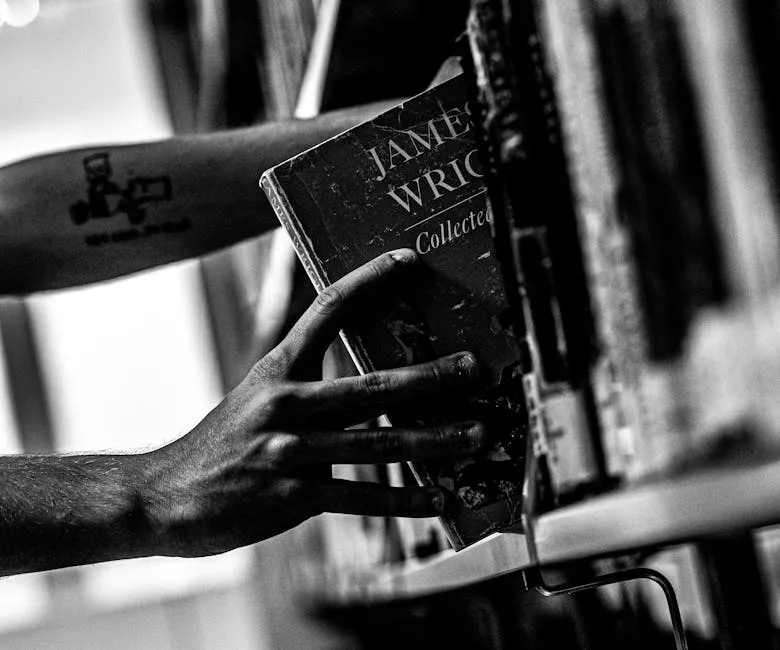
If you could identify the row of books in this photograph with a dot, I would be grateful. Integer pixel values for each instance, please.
(631, 147)
(596, 199)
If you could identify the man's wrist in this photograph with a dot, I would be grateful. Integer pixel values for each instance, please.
(170, 514)
(151, 515)
(122, 513)
(59, 511)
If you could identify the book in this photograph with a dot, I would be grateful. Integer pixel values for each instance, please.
(667, 148)
(667, 215)
(572, 46)
(731, 356)
(412, 177)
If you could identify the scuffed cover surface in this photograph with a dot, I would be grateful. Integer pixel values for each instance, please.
(347, 202)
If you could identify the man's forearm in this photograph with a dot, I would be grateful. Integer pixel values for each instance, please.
(58, 511)
(94, 214)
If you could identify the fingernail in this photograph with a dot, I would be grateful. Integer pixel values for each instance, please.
(466, 363)
(475, 435)
(439, 500)
(403, 255)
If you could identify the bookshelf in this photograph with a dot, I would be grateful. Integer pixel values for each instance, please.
(496, 555)
(696, 506)
(704, 504)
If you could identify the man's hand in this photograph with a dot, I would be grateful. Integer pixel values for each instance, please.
(257, 465)
(260, 462)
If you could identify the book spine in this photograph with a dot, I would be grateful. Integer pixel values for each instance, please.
(666, 139)
(568, 27)
(536, 238)
(286, 216)
(738, 148)
(762, 18)
(305, 251)
(732, 368)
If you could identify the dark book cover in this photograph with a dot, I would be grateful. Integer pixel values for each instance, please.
(412, 178)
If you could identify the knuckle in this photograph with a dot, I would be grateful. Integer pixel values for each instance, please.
(377, 383)
(281, 450)
(386, 442)
(329, 301)
(273, 365)
(283, 401)
(441, 437)
(298, 491)
(437, 373)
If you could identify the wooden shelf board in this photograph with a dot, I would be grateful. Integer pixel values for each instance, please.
(497, 554)
(657, 514)
(675, 510)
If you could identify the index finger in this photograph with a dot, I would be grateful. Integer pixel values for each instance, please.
(389, 444)
(321, 322)
(350, 400)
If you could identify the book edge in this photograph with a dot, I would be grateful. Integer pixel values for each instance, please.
(319, 278)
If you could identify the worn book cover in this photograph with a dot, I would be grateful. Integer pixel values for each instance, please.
(412, 178)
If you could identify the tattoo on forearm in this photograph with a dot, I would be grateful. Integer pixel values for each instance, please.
(107, 199)
(136, 234)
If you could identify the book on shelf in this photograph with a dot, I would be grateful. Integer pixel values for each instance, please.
(570, 45)
(732, 362)
(640, 209)
(412, 177)
(605, 220)
(665, 117)
(537, 245)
